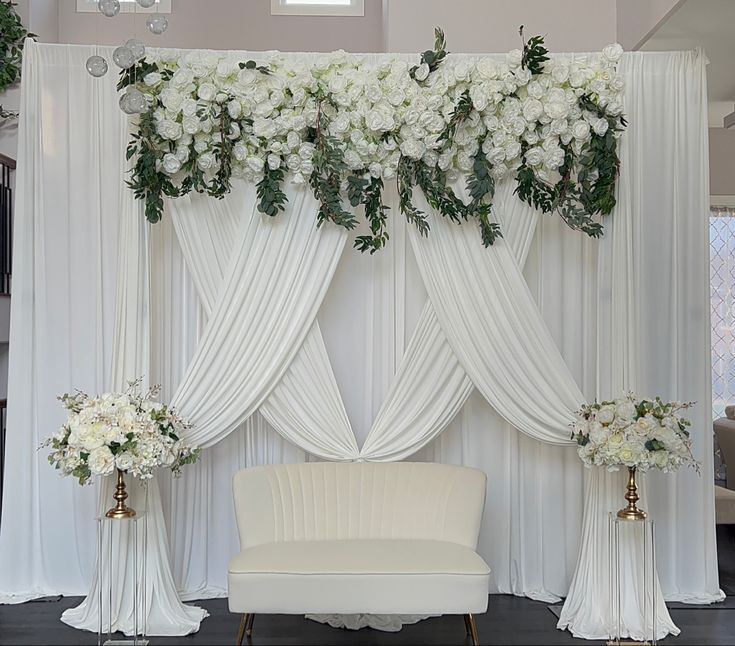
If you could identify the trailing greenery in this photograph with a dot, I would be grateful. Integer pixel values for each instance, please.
(534, 53)
(12, 35)
(431, 58)
(580, 189)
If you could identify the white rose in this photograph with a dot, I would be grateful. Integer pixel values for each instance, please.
(255, 164)
(274, 162)
(189, 107)
(615, 440)
(479, 97)
(171, 99)
(205, 161)
(581, 130)
(182, 77)
(171, 163)
(487, 68)
(599, 126)
(101, 462)
(422, 72)
(597, 433)
(556, 109)
(514, 58)
(191, 125)
(612, 52)
(534, 156)
(495, 155)
(626, 410)
(374, 120)
(152, 79)
(124, 461)
(464, 161)
(413, 148)
(234, 109)
(169, 129)
(560, 72)
(535, 90)
(340, 124)
(532, 109)
(605, 415)
(207, 91)
(576, 78)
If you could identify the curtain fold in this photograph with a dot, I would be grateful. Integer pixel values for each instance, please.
(275, 282)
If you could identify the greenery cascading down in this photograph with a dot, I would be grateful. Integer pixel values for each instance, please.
(582, 189)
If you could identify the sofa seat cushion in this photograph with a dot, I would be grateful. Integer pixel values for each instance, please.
(359, 576)
(724, 506)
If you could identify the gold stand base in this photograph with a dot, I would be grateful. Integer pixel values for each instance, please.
(120, 510)
(631, 512)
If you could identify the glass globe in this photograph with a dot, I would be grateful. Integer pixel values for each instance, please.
(123, 57)
(157, 23)
(146, 4)
(96, 66)
(109, 8)
(136, 47)
(136, 101)
(124, 103)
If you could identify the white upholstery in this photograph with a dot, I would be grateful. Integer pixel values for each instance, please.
(396, 538)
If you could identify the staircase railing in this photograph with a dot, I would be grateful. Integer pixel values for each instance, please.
(7, 166)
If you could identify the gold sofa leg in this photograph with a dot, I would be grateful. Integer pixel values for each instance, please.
(244, 623)
(471, 626)
(249, 626)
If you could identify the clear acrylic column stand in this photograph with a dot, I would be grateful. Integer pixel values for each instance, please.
(643, 539)
(138, 524)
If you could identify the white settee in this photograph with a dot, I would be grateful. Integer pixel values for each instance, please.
(347, 538)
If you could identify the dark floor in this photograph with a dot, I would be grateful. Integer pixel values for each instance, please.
(509, 620)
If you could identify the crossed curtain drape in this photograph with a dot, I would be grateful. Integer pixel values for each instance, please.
(537, 396)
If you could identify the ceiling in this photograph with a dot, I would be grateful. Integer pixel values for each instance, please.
(709, 24)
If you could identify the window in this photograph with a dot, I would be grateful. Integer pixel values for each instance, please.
(722, 304)
(126, 6)
(318, 7)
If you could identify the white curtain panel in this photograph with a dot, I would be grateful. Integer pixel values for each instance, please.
(587, 297)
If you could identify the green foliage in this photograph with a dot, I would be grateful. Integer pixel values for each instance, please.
(271, 197)
(461, 111)
(377, 215)
(326, 178)
(432, 58)
(147, 181)
(252, 65)
(534, 53)
(12, 35)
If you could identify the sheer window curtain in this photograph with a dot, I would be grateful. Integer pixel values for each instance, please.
(367, 319)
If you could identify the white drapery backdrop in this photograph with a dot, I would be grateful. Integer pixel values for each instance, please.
(593, 296)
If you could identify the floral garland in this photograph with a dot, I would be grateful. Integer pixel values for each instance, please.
(344, 126)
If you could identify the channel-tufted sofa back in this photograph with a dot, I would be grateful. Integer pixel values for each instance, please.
(359, 500)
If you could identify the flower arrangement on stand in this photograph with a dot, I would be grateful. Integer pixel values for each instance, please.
(128, 432)
(636, 433)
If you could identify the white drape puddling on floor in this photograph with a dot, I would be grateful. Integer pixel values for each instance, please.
(623, 311)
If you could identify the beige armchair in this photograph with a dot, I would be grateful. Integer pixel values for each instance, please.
(725, 497)
(346, 538)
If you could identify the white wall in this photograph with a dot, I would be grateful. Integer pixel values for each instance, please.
(721, 161)
(492, 25)
(637, 19)
(229, 24)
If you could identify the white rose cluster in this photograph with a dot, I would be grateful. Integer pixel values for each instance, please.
(634, 432)
(375, 112)
(129, 431)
